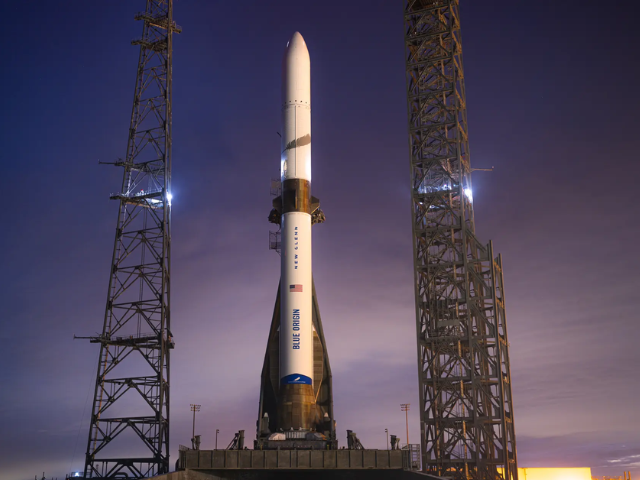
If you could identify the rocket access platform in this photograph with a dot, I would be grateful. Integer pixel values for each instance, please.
(296, 398)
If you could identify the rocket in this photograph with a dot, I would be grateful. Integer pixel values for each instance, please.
(296, 392)
(297, 400)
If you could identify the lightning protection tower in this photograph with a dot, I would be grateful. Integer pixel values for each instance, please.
(466, 408)
(129, 432)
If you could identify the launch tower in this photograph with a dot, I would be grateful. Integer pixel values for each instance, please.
(466, 408)
(133, 368)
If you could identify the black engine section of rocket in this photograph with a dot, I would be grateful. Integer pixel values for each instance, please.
(270, 433)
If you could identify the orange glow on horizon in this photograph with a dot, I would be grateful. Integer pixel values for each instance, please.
(580, 473)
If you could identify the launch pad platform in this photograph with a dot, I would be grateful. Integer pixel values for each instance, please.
(294, 464)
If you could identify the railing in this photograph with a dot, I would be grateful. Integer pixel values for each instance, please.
(275, 241)
(411, 457)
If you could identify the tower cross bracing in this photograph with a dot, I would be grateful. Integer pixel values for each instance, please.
(466, 407)
(129, 430)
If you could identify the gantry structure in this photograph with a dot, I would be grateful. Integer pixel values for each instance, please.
(466, 406)
(129, 431)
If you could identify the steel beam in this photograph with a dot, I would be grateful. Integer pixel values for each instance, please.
(466, 408)
(136, 337)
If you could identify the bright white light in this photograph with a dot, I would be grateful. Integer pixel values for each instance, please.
(169, 197)
(77, 474)
(467, 192)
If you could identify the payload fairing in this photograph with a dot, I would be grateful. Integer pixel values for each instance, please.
(296, 401)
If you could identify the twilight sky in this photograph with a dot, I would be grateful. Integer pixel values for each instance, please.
(552, 103)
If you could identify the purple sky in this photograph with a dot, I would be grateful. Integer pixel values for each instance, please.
(552, 102)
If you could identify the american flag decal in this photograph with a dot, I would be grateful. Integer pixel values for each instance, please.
(295, 288)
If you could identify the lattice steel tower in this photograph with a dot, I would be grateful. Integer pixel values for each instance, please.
(129, 432)
(466, 408)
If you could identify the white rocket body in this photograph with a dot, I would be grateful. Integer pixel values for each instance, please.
(296, 327)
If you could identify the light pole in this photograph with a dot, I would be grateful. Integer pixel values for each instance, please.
(217, 432)
(386, 430)
(194, 409)
(405, 408)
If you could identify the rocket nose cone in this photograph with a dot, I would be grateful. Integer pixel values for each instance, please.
(296, 45)
(296, 71)
(295, 40)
